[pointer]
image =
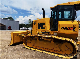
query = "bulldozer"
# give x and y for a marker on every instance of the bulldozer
(57, 35)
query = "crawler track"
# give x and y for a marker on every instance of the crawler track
(50, 44)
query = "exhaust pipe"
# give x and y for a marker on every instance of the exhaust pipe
(43, 12)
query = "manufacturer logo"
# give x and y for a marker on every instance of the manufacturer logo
(68, 28)
(41, 25)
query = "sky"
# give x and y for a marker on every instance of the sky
(23, 10)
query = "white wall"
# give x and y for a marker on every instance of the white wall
(14, 24)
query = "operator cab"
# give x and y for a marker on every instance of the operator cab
(61, 13)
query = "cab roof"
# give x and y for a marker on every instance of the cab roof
(76, 3)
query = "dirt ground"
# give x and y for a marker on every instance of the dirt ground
(19, 52)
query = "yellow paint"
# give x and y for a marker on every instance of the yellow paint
(68, 3)
(17, 36)
(78, 42)
(44, 43)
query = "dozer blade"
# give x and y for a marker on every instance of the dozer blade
(54, 45)
(17, 37)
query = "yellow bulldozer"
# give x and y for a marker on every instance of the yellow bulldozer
(56, 35)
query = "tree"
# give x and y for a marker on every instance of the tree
(9, 18)
(21, 25)
(26, 25)
(30, 23)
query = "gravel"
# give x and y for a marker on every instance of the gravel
(19, 52)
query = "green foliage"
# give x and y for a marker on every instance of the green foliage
(26, 25)
(30, 21)
(9, 18)
(21, 25)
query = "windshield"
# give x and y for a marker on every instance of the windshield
(65, 14)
